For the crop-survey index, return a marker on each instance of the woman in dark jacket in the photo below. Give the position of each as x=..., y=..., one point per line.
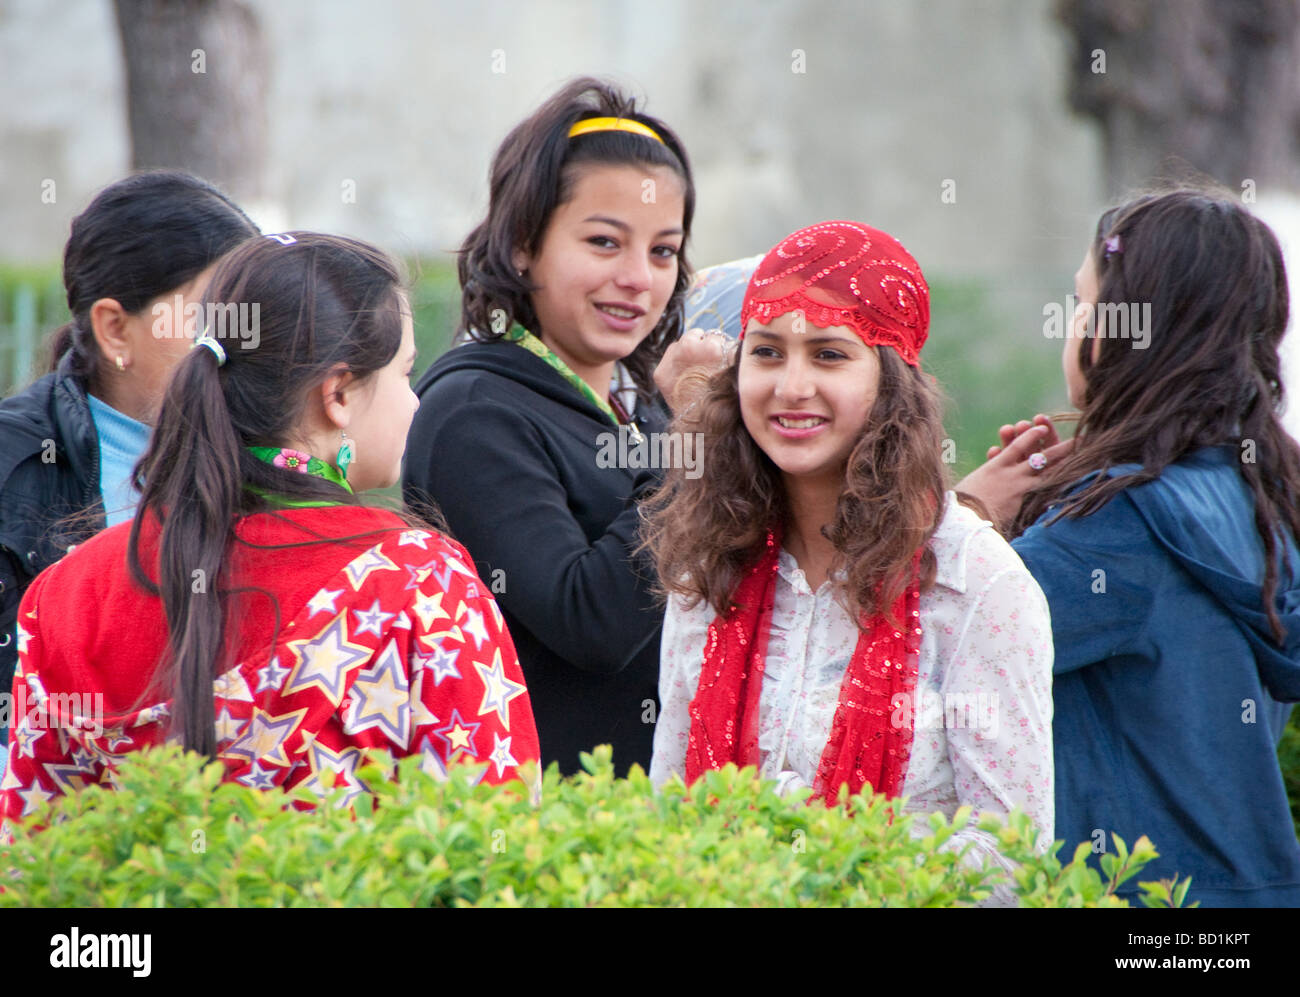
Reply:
x=135, y=262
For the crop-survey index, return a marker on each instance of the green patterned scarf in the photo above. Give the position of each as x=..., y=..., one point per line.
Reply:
x=518, y=334
x=295, y=460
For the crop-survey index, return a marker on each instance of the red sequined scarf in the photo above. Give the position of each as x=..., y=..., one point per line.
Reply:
x=865, y=746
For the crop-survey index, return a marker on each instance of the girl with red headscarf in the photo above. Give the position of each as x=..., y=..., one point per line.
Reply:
x=835, y=617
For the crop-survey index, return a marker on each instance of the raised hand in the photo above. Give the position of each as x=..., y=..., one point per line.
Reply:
x=1013, y=468
x=698, y=350
x=1008, y=433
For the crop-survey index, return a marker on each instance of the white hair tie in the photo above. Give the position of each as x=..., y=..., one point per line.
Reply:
x=217, y=349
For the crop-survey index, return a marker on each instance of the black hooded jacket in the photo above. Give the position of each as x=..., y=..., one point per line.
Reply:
x=49, y=471
x=508, y=450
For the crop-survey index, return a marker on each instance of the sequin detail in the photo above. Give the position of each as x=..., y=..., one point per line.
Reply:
x=864, y=748
x=843, y=273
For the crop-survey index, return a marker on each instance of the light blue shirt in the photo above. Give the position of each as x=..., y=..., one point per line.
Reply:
x=122, y=441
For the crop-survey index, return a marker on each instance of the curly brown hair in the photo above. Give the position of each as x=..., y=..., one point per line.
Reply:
x=704, y=532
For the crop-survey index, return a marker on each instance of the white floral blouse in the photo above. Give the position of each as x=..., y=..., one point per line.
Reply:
x=982, y=709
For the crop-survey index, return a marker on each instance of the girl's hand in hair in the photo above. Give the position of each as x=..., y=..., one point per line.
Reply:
x=701, y=352
x=1001, y=482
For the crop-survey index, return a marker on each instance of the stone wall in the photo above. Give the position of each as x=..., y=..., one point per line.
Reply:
x=792, y=112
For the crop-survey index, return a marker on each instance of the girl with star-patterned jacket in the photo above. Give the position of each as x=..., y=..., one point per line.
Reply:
x=253, y=609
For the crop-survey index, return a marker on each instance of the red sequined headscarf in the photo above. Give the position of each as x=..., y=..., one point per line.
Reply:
x=843, y=273
x=835, y=274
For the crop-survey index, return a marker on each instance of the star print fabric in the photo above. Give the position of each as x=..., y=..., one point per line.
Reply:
x=389, y=641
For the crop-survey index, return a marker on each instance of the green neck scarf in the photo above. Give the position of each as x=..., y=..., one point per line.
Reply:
x=295, y=460
x=521, y=336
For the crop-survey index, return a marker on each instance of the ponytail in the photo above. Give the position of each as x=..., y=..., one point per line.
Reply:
x=77, y=343
x=201, y=494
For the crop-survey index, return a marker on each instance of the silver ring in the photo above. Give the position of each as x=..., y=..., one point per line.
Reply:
x=1038, y=461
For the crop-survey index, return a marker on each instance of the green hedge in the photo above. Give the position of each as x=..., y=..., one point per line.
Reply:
x=174, y=836
x=1288, y=757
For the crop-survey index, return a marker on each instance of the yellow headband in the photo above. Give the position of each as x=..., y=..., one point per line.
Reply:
x=613, y=125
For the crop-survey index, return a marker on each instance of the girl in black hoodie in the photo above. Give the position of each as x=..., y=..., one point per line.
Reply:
x=538, y=436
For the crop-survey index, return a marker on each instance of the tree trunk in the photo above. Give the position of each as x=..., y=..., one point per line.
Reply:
x=1210, y=84
x=196, y=74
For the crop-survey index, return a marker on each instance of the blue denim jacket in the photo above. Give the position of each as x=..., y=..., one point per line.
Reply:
x=1168, y=684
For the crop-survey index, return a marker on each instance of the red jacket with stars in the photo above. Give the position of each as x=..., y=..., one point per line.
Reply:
x=387, y=639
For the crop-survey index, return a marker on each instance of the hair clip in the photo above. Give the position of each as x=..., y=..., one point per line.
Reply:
x=283, y=238
x=1112, y=245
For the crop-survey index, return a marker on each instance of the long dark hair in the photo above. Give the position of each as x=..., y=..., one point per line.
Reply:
x=704, y=532
x=533, y=173
x=325, y=303
x=1210, y=374
x=140, y=238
